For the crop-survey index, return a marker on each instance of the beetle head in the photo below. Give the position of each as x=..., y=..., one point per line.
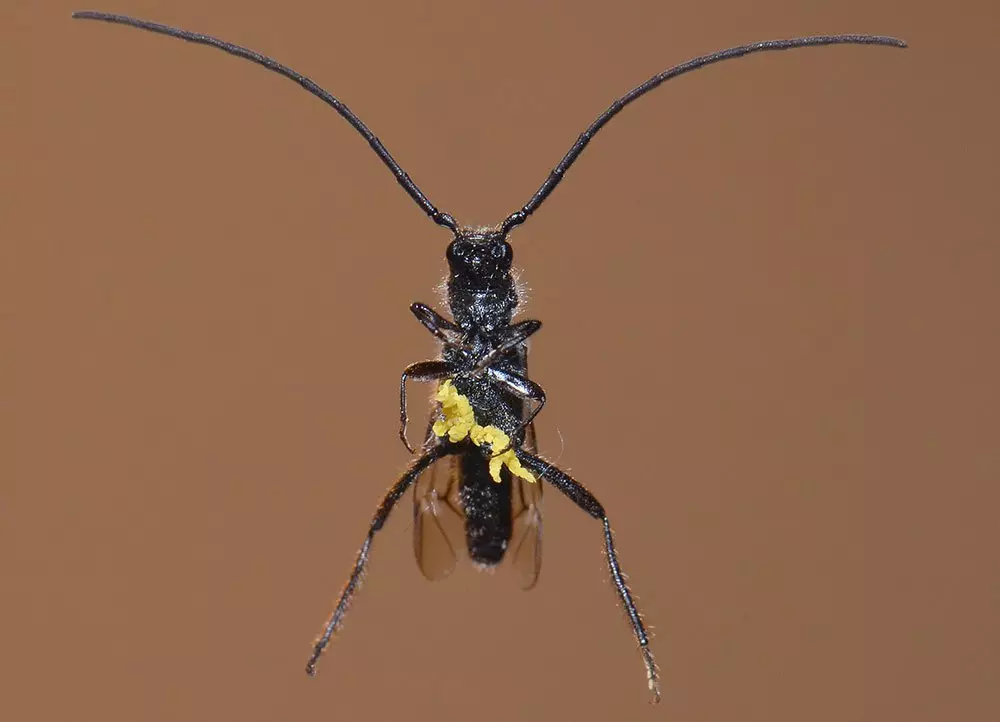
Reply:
x=479, y=258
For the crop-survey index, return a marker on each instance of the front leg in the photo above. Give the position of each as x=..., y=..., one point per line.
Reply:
x=586, y=501
x=511, y=337
x=447, y=332
x=354, y=581
x=420, y=371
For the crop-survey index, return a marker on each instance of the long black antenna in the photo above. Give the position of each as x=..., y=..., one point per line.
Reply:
x=442, y=219
x=519, y=217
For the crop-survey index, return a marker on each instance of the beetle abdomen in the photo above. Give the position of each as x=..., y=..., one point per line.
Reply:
x=487, y=506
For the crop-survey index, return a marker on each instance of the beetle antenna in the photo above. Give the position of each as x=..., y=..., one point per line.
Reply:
x=442, y=219
x=519, y=217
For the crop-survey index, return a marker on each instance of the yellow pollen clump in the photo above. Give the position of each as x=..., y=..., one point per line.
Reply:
x=460, y=421
x=458, y=417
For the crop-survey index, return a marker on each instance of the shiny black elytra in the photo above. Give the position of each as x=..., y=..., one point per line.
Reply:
x=484, y=358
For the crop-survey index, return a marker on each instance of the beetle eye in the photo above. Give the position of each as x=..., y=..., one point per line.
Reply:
x=499, y=250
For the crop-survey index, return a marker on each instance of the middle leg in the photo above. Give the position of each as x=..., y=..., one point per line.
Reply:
x=419, y=371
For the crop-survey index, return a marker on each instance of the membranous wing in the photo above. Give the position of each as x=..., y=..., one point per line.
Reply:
x=438, y=519
x=525, y=551
x=526, y=507
x=441, y=525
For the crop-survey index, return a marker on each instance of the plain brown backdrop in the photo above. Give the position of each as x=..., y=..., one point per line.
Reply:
x=771, y=333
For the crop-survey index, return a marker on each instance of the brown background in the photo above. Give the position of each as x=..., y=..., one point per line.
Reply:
x=770, y=347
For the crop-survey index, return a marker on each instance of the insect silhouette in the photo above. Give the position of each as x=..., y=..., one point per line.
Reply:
x=478, y=475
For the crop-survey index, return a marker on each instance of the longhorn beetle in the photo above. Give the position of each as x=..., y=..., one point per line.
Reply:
x=478, y=473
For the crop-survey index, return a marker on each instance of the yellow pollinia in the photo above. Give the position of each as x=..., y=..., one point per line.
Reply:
x=459, y=422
